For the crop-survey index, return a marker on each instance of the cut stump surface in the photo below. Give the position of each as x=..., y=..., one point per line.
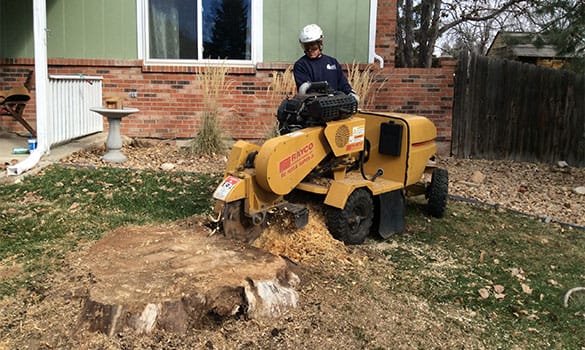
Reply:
x=177, y=279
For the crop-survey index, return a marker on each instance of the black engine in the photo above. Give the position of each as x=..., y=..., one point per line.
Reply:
x=314, y=109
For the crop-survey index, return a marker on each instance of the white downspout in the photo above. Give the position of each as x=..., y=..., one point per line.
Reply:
x=373, y=21
x=41, y=87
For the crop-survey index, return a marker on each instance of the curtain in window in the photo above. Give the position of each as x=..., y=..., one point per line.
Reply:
x=164, y=29
x=173, y=29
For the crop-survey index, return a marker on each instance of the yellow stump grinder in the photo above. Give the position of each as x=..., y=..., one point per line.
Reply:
x=360, y=164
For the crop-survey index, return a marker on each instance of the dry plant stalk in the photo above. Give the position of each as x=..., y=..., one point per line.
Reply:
x=214, y=84
x=362, y=82
x=281, y=86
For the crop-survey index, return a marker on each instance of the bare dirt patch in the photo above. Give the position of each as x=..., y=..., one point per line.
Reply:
x=543, y=190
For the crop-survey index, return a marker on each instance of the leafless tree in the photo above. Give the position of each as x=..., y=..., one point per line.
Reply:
x=466, y=24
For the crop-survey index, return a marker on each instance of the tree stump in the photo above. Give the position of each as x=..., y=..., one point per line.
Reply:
x=176, y=279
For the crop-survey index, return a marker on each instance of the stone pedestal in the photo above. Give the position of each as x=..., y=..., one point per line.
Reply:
x=114, y=140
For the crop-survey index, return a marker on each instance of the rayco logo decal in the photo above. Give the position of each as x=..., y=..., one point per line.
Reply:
x=297, y=159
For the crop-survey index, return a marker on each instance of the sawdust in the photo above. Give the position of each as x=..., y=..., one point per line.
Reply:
x=308, y=244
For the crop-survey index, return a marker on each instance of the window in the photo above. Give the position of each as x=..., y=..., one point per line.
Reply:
x=195, y=30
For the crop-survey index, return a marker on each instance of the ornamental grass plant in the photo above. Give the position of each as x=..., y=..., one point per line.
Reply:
x=214, y=84
x=364, y=81
x=282, y=86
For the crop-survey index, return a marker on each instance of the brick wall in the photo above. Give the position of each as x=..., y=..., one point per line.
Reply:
x=171, y=102
x=386, y=31
x=427, y=92
x=169, y=98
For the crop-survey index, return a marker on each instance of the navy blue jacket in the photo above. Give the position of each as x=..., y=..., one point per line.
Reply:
x=324, y=68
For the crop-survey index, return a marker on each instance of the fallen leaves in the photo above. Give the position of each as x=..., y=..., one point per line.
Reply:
x=526, y=288
x=148, y=154
x=538, y=189
x=499, y=292
x=552, y=282
x=496, y=290
x=74, y=206
x=518, y=274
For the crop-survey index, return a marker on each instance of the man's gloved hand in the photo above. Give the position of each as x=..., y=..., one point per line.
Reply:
x=357, y=98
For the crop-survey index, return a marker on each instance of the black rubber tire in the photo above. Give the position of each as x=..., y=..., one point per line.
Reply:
x=352, y=224
x=438, y=192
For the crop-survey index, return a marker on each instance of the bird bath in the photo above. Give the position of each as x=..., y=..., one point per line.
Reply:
x=114, y=140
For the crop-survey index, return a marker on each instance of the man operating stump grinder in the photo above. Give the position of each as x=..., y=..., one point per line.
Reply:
x=315, y=73
x=360, y=164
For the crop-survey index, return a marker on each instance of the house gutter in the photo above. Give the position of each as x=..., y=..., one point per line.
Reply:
x=41, y=90
x=373, y=18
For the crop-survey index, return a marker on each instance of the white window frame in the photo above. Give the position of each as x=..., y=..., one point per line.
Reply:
x=256, y=39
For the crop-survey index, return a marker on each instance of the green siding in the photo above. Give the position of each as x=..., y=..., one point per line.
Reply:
x=107, y=28
x=345, y=25
x=16, y=28
x=76, y=29
x=92, y=29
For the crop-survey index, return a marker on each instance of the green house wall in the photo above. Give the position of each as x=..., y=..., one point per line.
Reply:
x=106, y=29
x=92, y=29
x=345, y=24
x=16, y=28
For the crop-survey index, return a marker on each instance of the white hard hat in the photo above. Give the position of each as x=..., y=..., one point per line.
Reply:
x=310, y=33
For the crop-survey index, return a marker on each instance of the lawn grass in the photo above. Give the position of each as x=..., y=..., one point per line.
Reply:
x=45, y=216
x=509, y=270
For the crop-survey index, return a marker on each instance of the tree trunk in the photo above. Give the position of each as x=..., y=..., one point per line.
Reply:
x=147, y=278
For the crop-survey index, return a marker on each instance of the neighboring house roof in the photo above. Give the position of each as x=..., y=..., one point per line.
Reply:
x=522, y=44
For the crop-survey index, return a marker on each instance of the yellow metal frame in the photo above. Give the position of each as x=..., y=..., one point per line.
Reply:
x=417, y=146
x=283, y=162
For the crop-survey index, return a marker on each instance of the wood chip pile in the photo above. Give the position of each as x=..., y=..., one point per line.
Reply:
x=312, y=242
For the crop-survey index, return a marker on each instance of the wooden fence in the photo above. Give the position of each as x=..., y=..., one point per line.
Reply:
x=509, y=110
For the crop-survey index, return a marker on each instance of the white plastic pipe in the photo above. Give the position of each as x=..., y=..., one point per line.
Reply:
x=380, y=59
x=41, y=87
x=26, y=164
x=372, y=44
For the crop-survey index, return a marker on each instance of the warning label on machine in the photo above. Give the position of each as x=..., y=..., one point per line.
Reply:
x=225, y=187
x=356, y=138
